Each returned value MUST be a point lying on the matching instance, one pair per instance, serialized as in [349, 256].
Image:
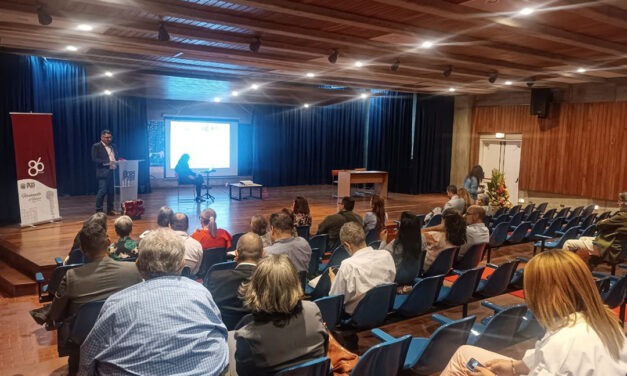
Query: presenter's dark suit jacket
[224, 285]
[100, 156]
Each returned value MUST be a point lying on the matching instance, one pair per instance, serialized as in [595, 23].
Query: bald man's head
[249, 248]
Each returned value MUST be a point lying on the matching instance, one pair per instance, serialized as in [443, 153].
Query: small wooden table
[250, 187]
[346, 178]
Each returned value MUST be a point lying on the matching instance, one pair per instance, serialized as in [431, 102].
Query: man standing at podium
[103, 154]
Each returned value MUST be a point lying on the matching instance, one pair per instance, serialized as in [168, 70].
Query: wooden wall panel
[580, 150]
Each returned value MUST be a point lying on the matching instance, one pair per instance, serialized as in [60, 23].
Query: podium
[128, 172]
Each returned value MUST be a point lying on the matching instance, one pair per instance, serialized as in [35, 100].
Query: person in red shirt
[210, 236]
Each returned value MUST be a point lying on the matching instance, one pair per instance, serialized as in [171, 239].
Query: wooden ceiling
[210, 41]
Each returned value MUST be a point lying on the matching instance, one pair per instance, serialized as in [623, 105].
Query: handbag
[342, 360]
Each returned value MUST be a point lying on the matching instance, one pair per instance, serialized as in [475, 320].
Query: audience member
[608, 245]
[168, 325]
[376, 217]
[583, 337]
[210, 236]
[193, 250]
[332, 224]
[363, 270]
[185, 175]
[473, 180]
[451, 234]
[463, 194]
[100, 277]
[283, 330]
[259, 225]
[483, 200]
[405, 249]
[476, 230]
[454, 202]
[99, 218]
[224, 284]
[125, 247]
[164, 217]
[284, 243]
[301, 212]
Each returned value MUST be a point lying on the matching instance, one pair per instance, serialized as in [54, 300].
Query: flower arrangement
[497, 190]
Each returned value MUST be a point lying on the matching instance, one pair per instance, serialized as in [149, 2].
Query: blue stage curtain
[60, 87]
[294, 146]
[390, 141]
[15, 96]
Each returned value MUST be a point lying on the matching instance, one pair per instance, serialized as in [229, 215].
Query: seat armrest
[441, 319]
[39, 278]
[600, 275]
[559, 232]
[383, 336]
[495, 307]
[544, 237]
[492, 266]
[456, 271]
[58, 261]
[522, 259]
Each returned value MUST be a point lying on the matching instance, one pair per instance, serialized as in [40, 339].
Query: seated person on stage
[405, 249]
[583, 337]
[187, 176]
[164, 216]
[210, 236]
[224, 284]
[608, 245]
[284, 330]
[193, 250]
[438, 238]
[125, 247]
[100, 277]
[168, 325]
[302, 217]
[259, 225]
[376, 217]
[476, 230]
[363, 270]
[284, 243]
[332, 224]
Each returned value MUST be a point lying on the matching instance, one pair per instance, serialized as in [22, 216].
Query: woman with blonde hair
[376, 217]
[583, 337]
[210, 236]
[464, 195]
[283, 330]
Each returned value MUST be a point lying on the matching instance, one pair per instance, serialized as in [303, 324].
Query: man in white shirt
[104, 156]
[476, 230]
[365, 269]
[179, 223]
[454, 202]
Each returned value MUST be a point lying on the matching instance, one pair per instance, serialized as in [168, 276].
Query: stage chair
[471, 258]
[373, 308]
[426, 356]
[386, 358]
[316, 367]
[460, 293]
[331, 309]
[420, 299]
[178, 190]
[498, 282]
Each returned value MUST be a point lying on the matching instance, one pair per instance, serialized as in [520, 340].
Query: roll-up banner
[36, 173]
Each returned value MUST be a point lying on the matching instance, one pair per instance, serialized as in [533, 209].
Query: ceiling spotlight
[217, 99]
[254, 86]
[107, 92]
[508, 83]
[255, 45]
[334, 55]
[426, 44]
[447, 71]
[359, 64]
[451, 89]
[363, 95]
[84, 27]
[234, 93]
[395, 65]
[526, 11]
[71, 48]
[581, 70]
[109, 74]
[492, 77]
[306, 105]
[310, 75]
[43, 17]
[163, 36]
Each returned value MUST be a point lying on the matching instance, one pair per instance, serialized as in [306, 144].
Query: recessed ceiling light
[254, 86]
[363, 95]
[235, 93]
[71, 48]
[109, 74]
[107, 92]
[359, 64]
[310, 75]
[306, 105]
[451, 89]
[217, 99]
[526, 11]
[84, 27]
[581, 70]
[508, 83]
[426, 44]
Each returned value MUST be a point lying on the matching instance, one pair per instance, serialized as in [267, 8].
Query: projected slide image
[207, 143]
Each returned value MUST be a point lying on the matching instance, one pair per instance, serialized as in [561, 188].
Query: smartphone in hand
[473, 364]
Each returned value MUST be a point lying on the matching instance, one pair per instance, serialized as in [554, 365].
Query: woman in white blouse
[583, 337]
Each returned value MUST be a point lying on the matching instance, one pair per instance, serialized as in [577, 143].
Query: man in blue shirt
[167, 325]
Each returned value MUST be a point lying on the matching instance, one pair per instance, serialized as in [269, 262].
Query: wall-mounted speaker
[541, 101]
